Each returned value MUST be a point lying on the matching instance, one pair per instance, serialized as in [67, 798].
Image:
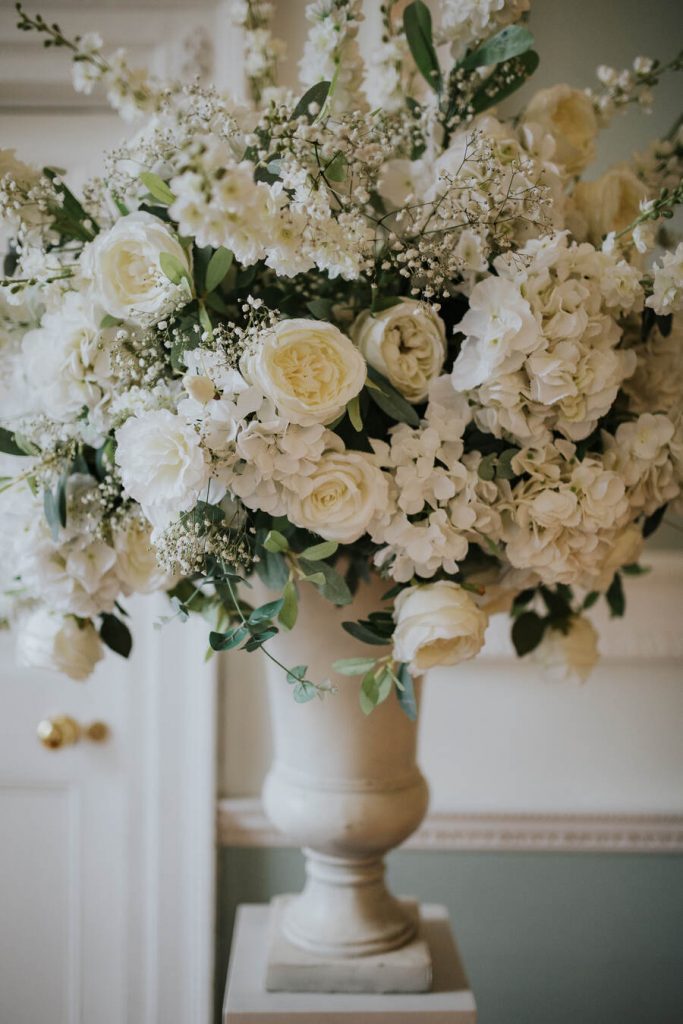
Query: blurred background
[556, 828]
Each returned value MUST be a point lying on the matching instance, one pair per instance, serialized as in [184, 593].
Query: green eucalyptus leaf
[173, 268]
[8, 443]
[276, 542]
[317, 95]
[290, 606]
[266, 612]
[527, 632]
[353, 409]
[320, 551]
[615, 597]
[219, 265]
[116, 635]
[353, 666]
[417, 24]
[363, 633]
[390, 401]
[501, 85]
[157, 188]
[320, 308]
[334, 587]
[336, 168]
[406, 692]
[509, 42]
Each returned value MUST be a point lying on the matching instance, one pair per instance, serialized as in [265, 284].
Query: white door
[63, 852]
[106, 848]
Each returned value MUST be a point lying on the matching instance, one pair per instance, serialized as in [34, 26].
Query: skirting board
[242, 822]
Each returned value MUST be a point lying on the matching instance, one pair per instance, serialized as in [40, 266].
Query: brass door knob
[64, 731]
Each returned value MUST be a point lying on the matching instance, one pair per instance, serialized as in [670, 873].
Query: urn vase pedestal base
[289, 968]
[449, 1000]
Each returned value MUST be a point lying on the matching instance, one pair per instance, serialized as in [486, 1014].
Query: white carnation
[162, 463]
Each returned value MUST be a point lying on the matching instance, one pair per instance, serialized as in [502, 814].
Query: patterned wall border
[242, 822]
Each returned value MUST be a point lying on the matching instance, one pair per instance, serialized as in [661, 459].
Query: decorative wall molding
[242, 822]
[166, 37]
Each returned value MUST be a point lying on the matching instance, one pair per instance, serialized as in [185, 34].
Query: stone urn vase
[346, 788]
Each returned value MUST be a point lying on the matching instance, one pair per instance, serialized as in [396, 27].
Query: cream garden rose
[61, 643]
[124, 269]
[308, 368]
[437, 624]
[340, 498]
[567, 115]
[136, 562]
[610, 203]
[406, 343]
[570, 655]
[163, 465]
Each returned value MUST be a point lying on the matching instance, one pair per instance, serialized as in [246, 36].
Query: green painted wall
[546, 938]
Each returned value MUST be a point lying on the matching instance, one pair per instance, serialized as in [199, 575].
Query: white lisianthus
[500, 331]
[124, 269]
[406, 343]
[570, 655]
[437, 624]
[308, 368]
[61, 643]
[136, 561]
[667, 294]
[163, 465]
[610, 203]
[567, 115]
[340, 497]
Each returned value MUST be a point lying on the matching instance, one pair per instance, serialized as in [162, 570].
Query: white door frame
[172, 840]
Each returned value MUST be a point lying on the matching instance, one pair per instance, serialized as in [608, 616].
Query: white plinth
[292, 969]
[247, 1002]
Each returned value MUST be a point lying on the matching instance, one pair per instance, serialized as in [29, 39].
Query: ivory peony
[567, 115]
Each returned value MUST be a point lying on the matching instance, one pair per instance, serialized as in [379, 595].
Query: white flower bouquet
[376, 327]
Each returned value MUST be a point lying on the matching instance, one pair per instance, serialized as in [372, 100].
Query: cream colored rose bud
[437, 624]
[406, 343]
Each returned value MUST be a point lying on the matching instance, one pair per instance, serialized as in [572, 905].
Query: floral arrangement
[377, 327]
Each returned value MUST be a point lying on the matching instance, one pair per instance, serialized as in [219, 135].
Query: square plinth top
[450, 1000]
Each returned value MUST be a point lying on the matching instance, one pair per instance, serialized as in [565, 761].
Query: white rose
[60, 643]
[567, 114]
[123, 265]
[570, 655]
[163, 465]
[308, 368]
[136, 560]
[437, 624]
[610, 203]
[406, 343]
[340, 497]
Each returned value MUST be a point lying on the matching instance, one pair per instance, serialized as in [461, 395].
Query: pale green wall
[546, 938]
